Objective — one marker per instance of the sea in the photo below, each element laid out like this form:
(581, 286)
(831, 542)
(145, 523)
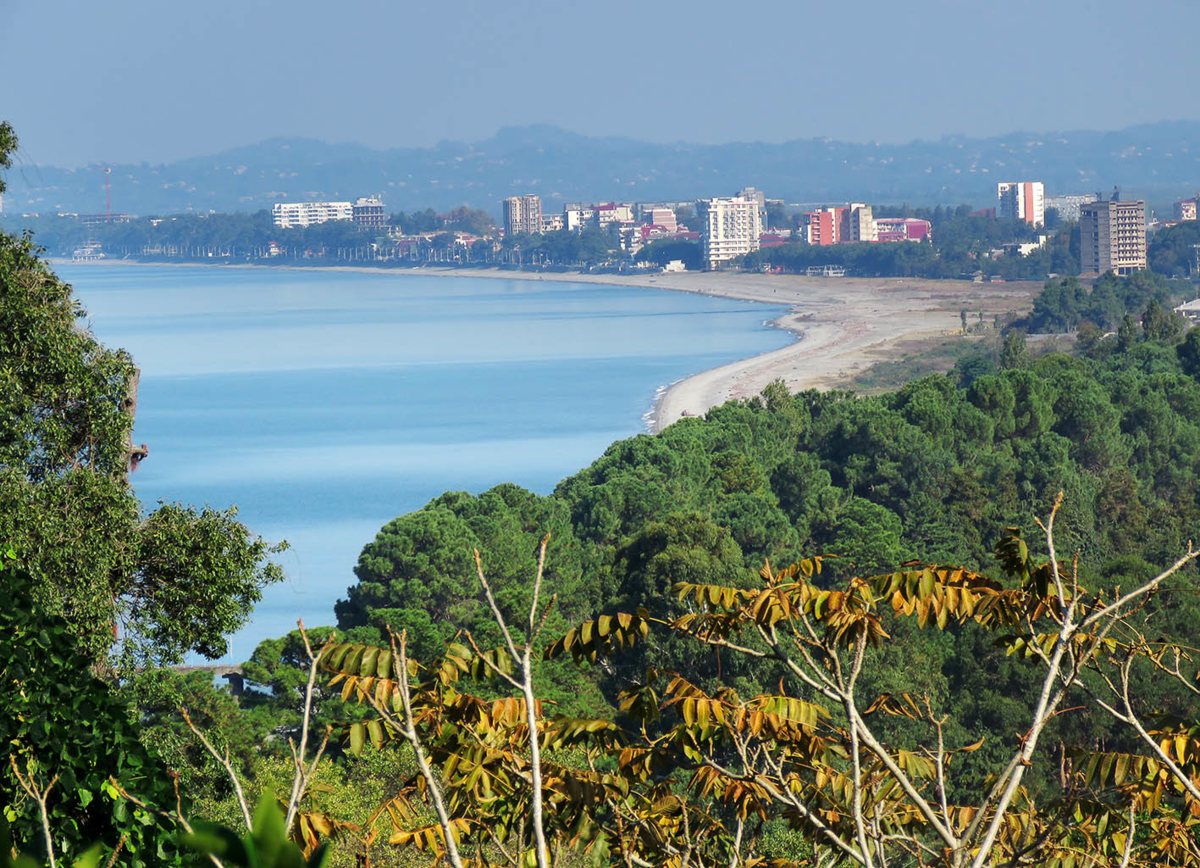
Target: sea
(324, 404)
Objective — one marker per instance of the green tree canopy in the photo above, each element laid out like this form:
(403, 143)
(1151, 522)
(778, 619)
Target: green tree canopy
(166, 584)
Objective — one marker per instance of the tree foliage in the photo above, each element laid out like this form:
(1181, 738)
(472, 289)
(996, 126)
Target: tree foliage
(168, 583)
(64, 728)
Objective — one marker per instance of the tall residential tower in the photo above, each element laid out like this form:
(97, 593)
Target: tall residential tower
(1112, 236)
(730, 228)
(1022, 200)
(522, 214)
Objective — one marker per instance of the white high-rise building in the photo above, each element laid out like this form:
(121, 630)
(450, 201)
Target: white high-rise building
(288, 215)
(730, 228)
(1022, 200)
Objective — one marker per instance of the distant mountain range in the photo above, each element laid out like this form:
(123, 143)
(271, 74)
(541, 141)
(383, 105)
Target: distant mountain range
(1160, 162)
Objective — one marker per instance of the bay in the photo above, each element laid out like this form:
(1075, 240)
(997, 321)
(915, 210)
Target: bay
(323, 404)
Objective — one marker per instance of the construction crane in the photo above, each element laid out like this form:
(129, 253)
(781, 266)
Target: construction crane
(107, 170)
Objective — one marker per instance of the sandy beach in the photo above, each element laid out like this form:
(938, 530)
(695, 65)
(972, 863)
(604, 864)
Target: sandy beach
(842, 325)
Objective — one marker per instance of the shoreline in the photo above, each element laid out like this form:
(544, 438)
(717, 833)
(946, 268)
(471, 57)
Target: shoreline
(840, 326)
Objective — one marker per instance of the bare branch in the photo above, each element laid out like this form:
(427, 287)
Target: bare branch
(408, 729)
(860, 828)
(225, 763)
(537, 590)
(491, 601)
(30, 785)
(303, 775)
(1114, 610)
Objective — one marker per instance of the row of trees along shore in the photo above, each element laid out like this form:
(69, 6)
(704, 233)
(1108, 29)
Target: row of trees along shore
(949, 626)
(961, 246)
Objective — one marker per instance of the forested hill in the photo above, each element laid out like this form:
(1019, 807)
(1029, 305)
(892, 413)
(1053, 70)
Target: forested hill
(936, 471)
(1157, 161)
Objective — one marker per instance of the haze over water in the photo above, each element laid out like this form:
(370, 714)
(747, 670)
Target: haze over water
(324, 404)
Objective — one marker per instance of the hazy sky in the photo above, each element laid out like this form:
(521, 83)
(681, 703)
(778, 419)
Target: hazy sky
(156, 80)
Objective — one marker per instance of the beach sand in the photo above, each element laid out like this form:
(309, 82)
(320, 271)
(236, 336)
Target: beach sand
(843, 325)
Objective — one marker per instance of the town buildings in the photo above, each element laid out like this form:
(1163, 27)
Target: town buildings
(368, 213)
(578, 217)
(821, 227)
(288, 215)
(1022, 200)
(890, 229)
(613, 212)
(857, 224)
(853, 223)
(663, 217)
(522, 214)
(1112, 236)
(1185, 209)
(1068, 205)
(730, 228)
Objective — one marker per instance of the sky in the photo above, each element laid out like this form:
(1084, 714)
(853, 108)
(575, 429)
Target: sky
(159, 80)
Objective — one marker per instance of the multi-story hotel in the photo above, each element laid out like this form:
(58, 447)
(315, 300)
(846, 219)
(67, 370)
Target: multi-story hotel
(730, 228)
(1112, 237)
(522, 214)
(1022, 200)
(288, 215)
(368, 213)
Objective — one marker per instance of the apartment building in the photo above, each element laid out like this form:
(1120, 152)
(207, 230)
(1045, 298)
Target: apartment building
(857, 224)
(1112, 236)
(1186, 209)
(578, 217)
(522, 214)
(613, 212)
(1068, 205)
(730, 228)
(368, 213)
(839, 224)
(663, 217)
(288, 215)
(822, 226)
(891, 229)
(1022, 200)
(552, 223)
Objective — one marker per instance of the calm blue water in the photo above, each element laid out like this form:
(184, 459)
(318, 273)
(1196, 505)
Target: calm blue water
(326, 404)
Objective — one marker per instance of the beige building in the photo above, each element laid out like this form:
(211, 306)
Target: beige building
(1112, 237)
(522, 214)
(858, 224)
(730, 227)
(613, 212)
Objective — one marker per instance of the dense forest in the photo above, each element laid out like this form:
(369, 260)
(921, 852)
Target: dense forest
(938, 626)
